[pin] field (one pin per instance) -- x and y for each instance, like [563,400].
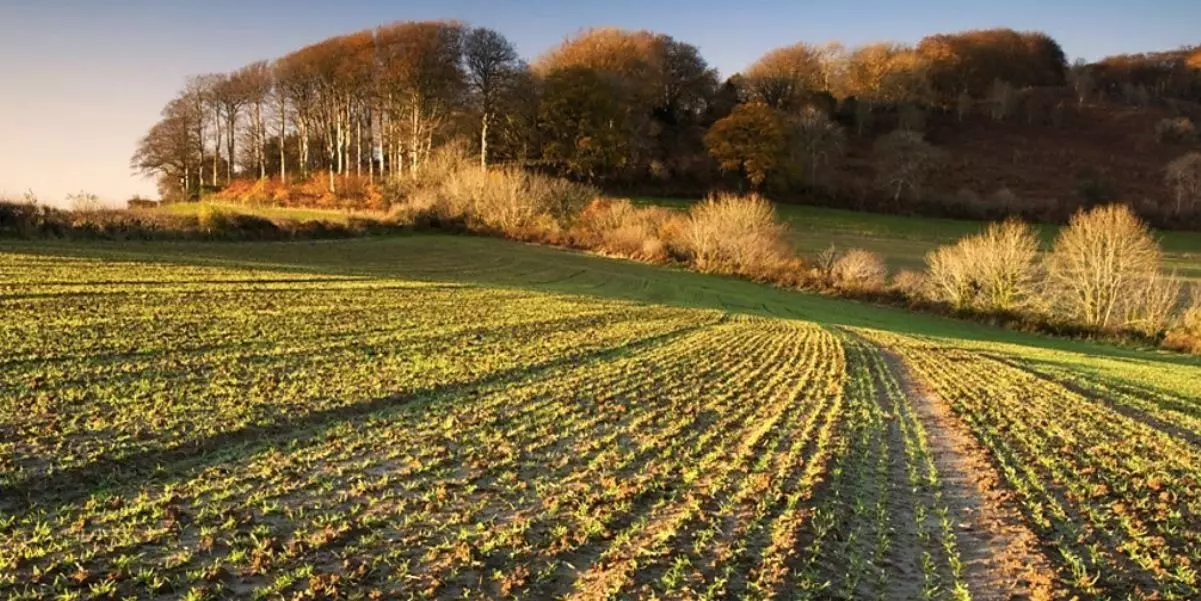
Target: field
[431,416]
[903,241]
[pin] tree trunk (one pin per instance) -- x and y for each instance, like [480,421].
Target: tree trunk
[484,141]
[216,151]
[231,145]
[260,139]
[283,136]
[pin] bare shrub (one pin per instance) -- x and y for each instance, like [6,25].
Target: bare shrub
[995,270]
[616,226]
[1154,302]
[511,202]
[910,284]
[85,202]
[734,234]
[1099,265]
[859,270]
[1186,334]
[949,275]
[1175,130]
[823,265]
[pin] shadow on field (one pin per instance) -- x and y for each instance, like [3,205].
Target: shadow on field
[144,468]
[470,260]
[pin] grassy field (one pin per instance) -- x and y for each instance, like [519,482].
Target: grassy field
[432,416]
[904,241]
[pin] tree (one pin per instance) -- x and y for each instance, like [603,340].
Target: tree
[659,88]
[1100,263]
[169,150]
[586,130]
[422,82]
[885,73]
[230,95]
[783,78]
[1184,177]
[492,70]
[971,61]
[282,112]
[296,85]
[904,161]
[1080,77]
[750,141]
[817,139]
[256,81]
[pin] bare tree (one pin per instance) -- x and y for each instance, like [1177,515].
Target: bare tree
[230,96]
[280,108]
[1100,263]
[1080,77]
[256,82]
[1000,100]
[818,139]
[422,82]
[171,149]
[904,161]
[492,66]
[1184,177]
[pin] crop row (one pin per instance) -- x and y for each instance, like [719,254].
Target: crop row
[1115,499]
[482,469]
[92,384]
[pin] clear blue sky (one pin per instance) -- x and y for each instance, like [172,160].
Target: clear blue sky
[82,80]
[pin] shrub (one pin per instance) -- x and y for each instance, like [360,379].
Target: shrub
[210,219]
[1100,263]
[992,271]
[1186,335]
[137,202]
[858,270]
[617,227]
[910,284]
[85,202]
[1177,130]
[509,202]
[735,234]
[1154,302]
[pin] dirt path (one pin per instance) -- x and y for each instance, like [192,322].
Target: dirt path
[1000,554]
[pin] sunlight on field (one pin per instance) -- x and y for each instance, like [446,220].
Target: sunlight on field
[435,416]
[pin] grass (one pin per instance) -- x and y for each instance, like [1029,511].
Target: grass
[434,416]
[296,214]
[903,241]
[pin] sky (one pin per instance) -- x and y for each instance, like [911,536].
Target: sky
[82,80]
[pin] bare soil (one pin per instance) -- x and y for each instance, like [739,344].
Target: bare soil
[1000,553]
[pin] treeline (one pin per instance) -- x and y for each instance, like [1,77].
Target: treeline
[626,110]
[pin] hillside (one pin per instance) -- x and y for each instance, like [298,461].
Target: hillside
[1054,162]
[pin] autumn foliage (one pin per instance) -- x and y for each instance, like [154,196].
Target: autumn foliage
[641,112]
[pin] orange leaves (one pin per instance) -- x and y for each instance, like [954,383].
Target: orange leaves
[750,140]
